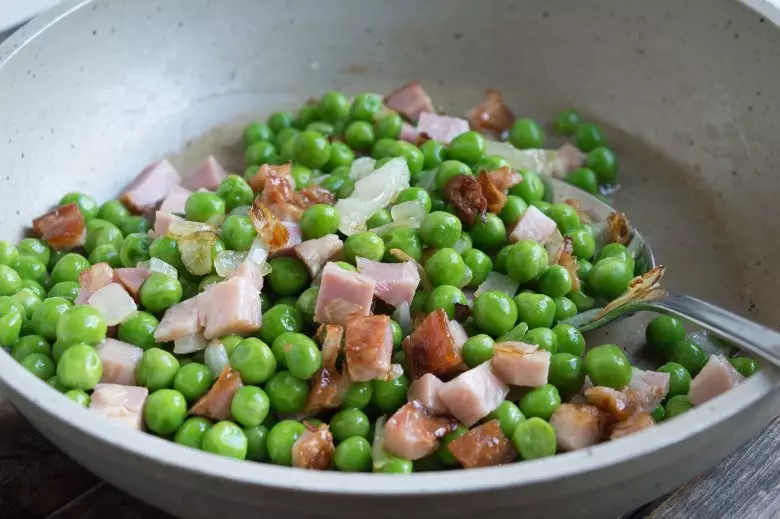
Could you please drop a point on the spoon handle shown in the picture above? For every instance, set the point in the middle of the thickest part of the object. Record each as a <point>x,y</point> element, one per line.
<point>737,330</point>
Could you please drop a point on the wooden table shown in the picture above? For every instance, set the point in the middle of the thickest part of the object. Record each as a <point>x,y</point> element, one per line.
<point>39,481</point>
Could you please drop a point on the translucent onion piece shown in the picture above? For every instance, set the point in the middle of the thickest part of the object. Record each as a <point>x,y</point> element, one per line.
<point>378,452</point>
<point>541,161</point>
<point>158,265</point>
<point>258,252</point>
<point>403,316</point>
<point>466,278</point>
<point>709,342</point>
<point>180,228</point>
<point>196,250</point>
<point>216,357</point>
<point>555,247</point>
<point>114,303</point>
<point>190,344</point>
<point>372,193</point>
<point>496,281</point>
<point>396,370</point>
<point>411,213</point>
<point>427,179</point>
<point>227,261</point>
<point>361,167</point>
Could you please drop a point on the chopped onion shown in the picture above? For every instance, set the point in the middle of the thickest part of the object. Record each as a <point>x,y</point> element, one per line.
<point>541,161</point>
<point>361,167</point>
<point>227,261</point>
<point>371,194</point>
<point>396,370</point>
<point>709,342</point>
<point>114,303</point>
<point>258,252</point>
<point>378,452</point>
<point>496,281</point>
<point>555,247</point>
<point>195,241</point>
<point>190,344</point>
<point>427,179</point>
<point>411,213</point>
<point>466,278</point>
<point>179,228</point>
<point>216,357</point>
<point>403,316</point>
<point>158,265</point>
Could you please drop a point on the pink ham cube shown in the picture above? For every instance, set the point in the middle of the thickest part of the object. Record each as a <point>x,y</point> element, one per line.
<point>174,202</point>
<point>162,221</point>
<point>521,364</point>
<point>578,426</point>
<point>133,279</point>
<point>93,279</point>
<point>474,394</point>
<point>315,253</point>
<point>250,270</point>
<point>151,186</point>
<point>120,404</point>
<point>230,307</point>
<point>119,361</point>
<point>368,346</point>
<point>441,127</point>
<point>715,378</point>
<point>410,100</point>
<point>408,133</point>
<point>426,391</point>
<point>207,176</point>
<point>342,293</point>
<point>533,225</point>
<point>180,320</point>
<point>412,433</point>
<point>647,389</point>
<point>395,283</point>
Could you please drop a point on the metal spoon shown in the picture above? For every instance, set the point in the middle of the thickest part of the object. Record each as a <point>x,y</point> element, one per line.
<point>648,295</point>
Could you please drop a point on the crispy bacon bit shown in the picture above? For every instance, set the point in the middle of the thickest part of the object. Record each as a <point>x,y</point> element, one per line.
<point>636,423</point>
<point>578,426</point>
<point>368,346</point>
<point>504,178</point>
<point>496,198</point>
<point>215,404</point>
<point>271,230</point>
<point>483,446</point>
<point>313,195</point>
<point>465,193</point>
<point>314,449</point>
<point>491,116</point>
<point>62,227</point>
<point>328,385</point>
<point>619,228</point>
<point>585,216</point>
<point>616,403</point>
<point>462,312</point>
<point>410,100</point>
<point>257,182</point>
<point>431,347</point>
<point>287,204</point>
<point>567,261</point>
<point>413,433</point>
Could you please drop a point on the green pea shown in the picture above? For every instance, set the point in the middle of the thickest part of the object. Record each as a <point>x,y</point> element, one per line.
<point>413,156</point>
<point>531,189</point>
<point>353,455</point>
<point>396,466</point>
<point>358,395</point>
<point>616,250</point>
<point>29,300</point>
<point>564,308</point>
<point>160,291</point>
<point>114,212</point>
<point>536,310</point>
<point>555,281</point>
<point>193,381</point>
<point>430,463</point>
<point>237,232</point>
<point>259,153</point>
<point>333,183</point>
<point>256,438</point>
<point>480,265</point>
<point>29,267</point>
<point>192,431</point>
<point>346,189</point>
<point>449,169</point>
<point>440,229</point>
<point>488,233</point>
<point>679,379</point>
<point>231,342</point>
<point>676,406</point>
<point>311,149</point>
<point>167,249</point>
<point>349,422</point>
<point>46,316</point>
<point>138,329</point>
<point>364,245</point>
<point>495,313</point>
<point>256,131</point>
<point>662,333</point>
<point>102,233</point>
<point>35,248</point>
<point>540,402</point>
<point>208,280</point>
<point>534,438</point>
<point>509,417</point>
<point>583,244</point>
<point>526,261</point>
<point>39,365</point>
<point>379,218</point>
<point>443,452</point>
<point>307,302</point>
<point>690,355</point>
<point>438,203</point>
<point>434,153</point>
<point>86,204</point>
<point>81,324</point>
<point>415,194</point>
<point>491,163</point>
<point>78,396</point>
<point>566,121</point>
<point>404,239</point>
<point>10,281</point>
<point>340,155</point>
<point>134,249</point>
<point>303,358</point>
<point>34,287</point>
<point>445,297</point>
<point>286,392</point>
<point>585,179</point>
<point>588,137</point>
<point>30,344</point>
<point>389,395</point>
<point>446,267</point>
<point>226,439</point>
<point>288,276</point>
<point>12,320</point>
<point>468,147</point>
<point>608,366</point>
<point>105,254</point>
<point>165,411</point>
<point>658,414</point>
<point>254,360</point>
<point>526,134</point>
<point>134,224</point>
<point>9,254</point>
<point>610,277</point>
<point>570,340</point>
<point>398,334</point>
<point>280,441</point>
<point>744,365</point>
<point>308,114</point>
<point>250,406</point>
<point>202,206</point>
<point>567,373</point>
<point>389,126</point>
<point>235,192</point>
<point>365,106</point>
<point>156,370</point>
<point>80,367</point>
<point>565,217</point>
<point>581,300</point>
<point>360,135</point>
<point>545,338</point>
<point>515,334</point>
<point>334,106</point>
<point>321,127</point>
<point>279,319</point>
<point>513,210</point>
<point>280,120</point>
<point>57,349</point>
<point>55,383</point>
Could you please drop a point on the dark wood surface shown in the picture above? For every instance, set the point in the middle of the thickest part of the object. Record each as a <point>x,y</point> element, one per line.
<point>39,481</point>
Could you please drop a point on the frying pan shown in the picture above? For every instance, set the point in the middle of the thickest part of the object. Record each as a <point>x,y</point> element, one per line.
<point>93,90</point>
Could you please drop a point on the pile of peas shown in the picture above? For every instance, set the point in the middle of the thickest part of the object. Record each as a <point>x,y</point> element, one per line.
<point>56,340</point>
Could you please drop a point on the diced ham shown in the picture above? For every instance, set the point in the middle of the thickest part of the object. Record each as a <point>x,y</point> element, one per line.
<point>533,225</point>
<point>569,158</point>
<point>495,197</point>
<point>431,348</point>
<point>174,202</point>
<point>647,389</point>
<point>62,228</point>
<point>93,279</point>
<point>409,133</point>
<point>395,282</point>
<point>715,378</point>
<point>133,279</point>
<point>215,405</point>
<point>120,404</point>
<point>342,293</point>
<point>314,449</point>
<point>615,402</point>
<point>257,182</point>
<point>412,433</point>
<point>315,253</point>
<point>114,303</point>
<point>578,426</point>
<point>119,361</point>
<point>206,176</point>
<point>441,127</point>
<point>230,307</point>
<point>491,116</point>
<point>162,221</point>
<point>474,394</point>
<point>151,186</point>
<point>483,446</point>
<point>459,334</point>
<point>635,423</point>
<point>410,100</point>
<point>521,364</point>
<point>426,391</point>
<point>504,178</point>
<point>179,321</point>
<point>293,239</point>
<point>328,385</point>
<point>368,346</point>
<point>250,270</point>
<point>190,344</point>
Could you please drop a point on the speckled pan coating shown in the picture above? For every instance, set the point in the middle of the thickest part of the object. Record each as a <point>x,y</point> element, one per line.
<point>687,92</point>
